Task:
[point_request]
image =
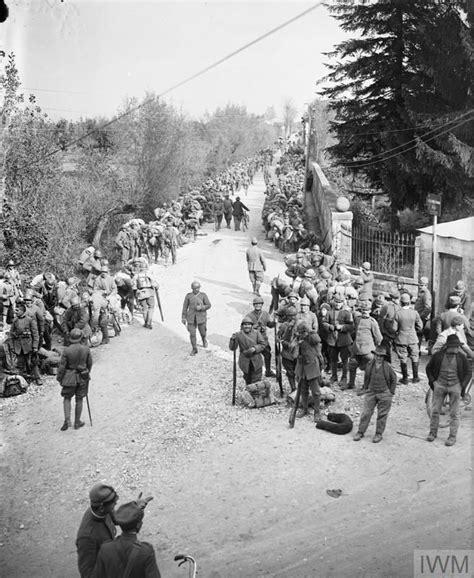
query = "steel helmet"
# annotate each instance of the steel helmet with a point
(257, 299)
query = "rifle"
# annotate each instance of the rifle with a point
(295, 407)
(234, 377)
(89, 409)
(159, 304)
(278, 362)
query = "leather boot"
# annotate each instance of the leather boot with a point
(193, 344)
(343, 382)
(414, 365)
(352, 376)
(333, 371)
(404, 368)
(77, 415)
(302, 411)
(317, 410)
(292, 382)
(67, 414)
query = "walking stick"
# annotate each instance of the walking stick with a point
(234, 377)
(297, 403)
(89, 409)
(278, 363)
(159, 304)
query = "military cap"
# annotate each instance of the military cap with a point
(290, 311)
(405, 298)
(325, 275)
(98, 253)
(366, 265)
(358, 280)
(75, 335)
(394, 295)
(305, 301)
(254, 240)
(128, 516)
(104, 269)
(309, 273)
(365, 306)
(246, 321)
(101, 493)
(423, 281)
(460, 286)
(454, 300)
(338, 299)
(293, 294)
(257, 299)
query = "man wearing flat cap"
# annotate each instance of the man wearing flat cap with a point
(73, 375)
(97, 526)
(449, 372)
(127, 556)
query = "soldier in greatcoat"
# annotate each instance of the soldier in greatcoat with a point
(74, 375)
(407, 325)
(194, 315)
(256, 265)
(261, 320)
(25, 338)
(251, 345)
(308, 367)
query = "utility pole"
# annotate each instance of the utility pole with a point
(433, 205)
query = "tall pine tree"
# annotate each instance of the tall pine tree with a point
(401, 90)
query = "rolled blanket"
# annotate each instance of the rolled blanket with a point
(338, 423)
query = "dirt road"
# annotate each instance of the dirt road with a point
(234, 487)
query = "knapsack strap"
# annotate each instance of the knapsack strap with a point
(131, 560)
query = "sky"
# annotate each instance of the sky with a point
(84, 58)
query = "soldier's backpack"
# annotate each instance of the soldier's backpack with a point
(13, 385)
(143, 281)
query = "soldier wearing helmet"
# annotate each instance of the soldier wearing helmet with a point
(289, 346)
(261, 320)
(251, 345)
(13, 276)
(304, 314)
(194, 315)
(308, 367)
(256, 265)
(423, 305)
(76, 317)
(290, 301)
(407, 325)
(105, 283)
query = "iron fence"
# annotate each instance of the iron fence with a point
(388, 252)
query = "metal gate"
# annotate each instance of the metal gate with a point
(388, 252)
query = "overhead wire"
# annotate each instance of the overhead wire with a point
(422, 135)
(177, 85)
(385, 158)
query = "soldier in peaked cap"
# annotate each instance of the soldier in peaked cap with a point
(127, 556)
(97, 526)
(256, 265)
(73, 375)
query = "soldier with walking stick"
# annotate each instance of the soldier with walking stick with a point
(74, 375)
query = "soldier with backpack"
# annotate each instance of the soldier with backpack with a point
(145, 286)
(387, 321)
